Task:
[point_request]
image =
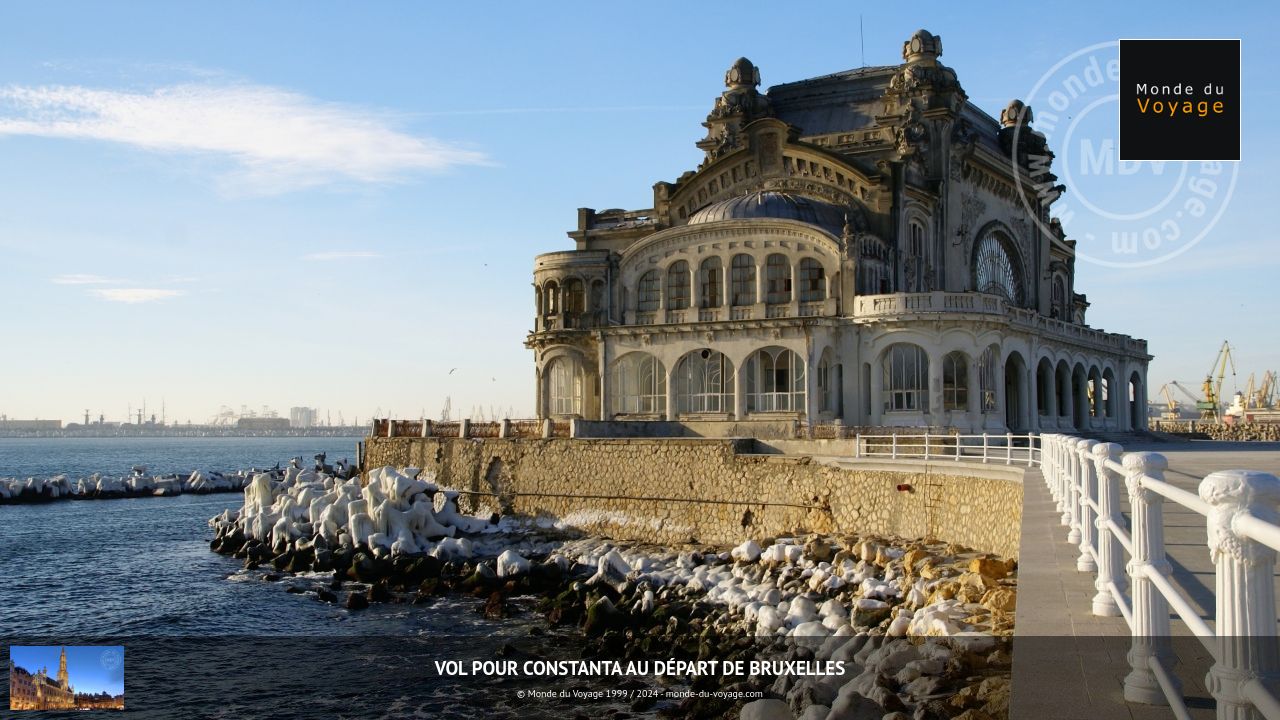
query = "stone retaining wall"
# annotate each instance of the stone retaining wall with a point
(1255, 431)
(716, 491)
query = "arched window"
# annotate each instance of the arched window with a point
(873, 266)
(777, 276)
(955, 381)
(830, 383)
(678, 285)
(995, 270)
(552, 297)
(1058, 307)
(704, 383)
(575, 297)
(1108, 379)
(566, 386)
(744, 280)
(537, 300)
(813, 281)
(775, 381)
(987, 363)
(913, 264)
(649, 293)
(906, 378)
(710, 283)
(639, 385)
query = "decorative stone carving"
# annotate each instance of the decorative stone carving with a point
(971, 209)
(922, 46)
(922, 82)
(1032, 148)
(1016, 113)
(912, 138)
(738, 105)
(1233, 493)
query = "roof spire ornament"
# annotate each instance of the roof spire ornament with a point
(1016, 113)
(742, 75)
(922, 48)
(738, 105)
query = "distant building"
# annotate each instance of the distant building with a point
(99, 701)
(302, 417)
(38, 691)
(862, 246)
(6, 424)
(262, 423)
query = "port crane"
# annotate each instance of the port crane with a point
(1171, 403)
(1211, 406)
(1262, 395)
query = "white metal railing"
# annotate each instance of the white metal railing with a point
(1242, 520)
(1008, 448)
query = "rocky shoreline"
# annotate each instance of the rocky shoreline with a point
(895, 629)
(15, 491)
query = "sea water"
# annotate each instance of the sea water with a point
(205, 638)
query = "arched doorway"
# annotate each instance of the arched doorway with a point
(1137, 403)
(1015, 393)
(1080, 395)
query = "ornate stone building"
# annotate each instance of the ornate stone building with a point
(866, 246)
(38, 691)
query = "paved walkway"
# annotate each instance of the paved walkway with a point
(1071, 664)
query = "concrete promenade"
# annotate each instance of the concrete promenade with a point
(1069, 663)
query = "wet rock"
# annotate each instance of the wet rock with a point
(324, 595)
(603, 616)
(364, 567)
(356, 601)
(495, 608)
(379, 592)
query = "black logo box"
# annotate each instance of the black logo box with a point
(1175, 72)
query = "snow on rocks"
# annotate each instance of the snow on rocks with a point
(912, 622)
(748, 551)
(393, 513)
(99, 486)
(511, 564)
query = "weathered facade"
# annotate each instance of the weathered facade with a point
(865, 246)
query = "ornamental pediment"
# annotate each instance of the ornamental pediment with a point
(770, 159)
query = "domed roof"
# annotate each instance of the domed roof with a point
(773, 204)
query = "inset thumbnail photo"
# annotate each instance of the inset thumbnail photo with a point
(77, 677)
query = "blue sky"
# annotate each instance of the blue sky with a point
(332, 204)
(90, 668)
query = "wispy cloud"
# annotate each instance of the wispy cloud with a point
(133, 296)
(81, 279)
(342, 255)
(278, 140)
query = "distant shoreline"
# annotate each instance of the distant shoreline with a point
(356, 431)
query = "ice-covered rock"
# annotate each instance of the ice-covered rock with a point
(748, 551)
(511, 564)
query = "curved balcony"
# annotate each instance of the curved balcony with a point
(904, 306)
(875, 306)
